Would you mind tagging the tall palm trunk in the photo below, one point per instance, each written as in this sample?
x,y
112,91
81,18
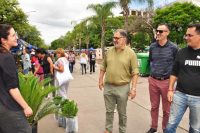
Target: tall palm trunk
x,y
126,14
80,44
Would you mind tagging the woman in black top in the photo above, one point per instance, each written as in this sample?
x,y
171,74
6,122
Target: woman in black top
x,y
13,107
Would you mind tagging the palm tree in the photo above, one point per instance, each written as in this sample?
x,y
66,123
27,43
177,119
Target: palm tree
x,y
124,5
102,11
34,93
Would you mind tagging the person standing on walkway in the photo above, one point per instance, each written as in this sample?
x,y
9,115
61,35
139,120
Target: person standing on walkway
x,y
185,71
92,60
26,61
46,63
83,61
62,65
161,56
39,72
71,59
13,107
120,69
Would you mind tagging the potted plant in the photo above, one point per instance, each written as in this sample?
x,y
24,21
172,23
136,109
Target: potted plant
x,y
34,92
68,110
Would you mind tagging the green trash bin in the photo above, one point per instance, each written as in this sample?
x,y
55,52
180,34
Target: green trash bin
x,y
143,63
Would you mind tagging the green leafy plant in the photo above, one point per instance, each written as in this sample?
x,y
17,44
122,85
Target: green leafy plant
x,y
34,92
69,109
57,100
66,107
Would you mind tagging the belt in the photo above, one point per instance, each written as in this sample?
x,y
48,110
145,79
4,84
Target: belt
x,y
117,84
160,78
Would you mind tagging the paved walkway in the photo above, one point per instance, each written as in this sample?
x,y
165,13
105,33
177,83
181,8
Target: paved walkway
x,y
91,116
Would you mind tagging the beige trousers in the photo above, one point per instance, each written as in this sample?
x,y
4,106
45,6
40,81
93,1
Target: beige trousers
x,y
116,95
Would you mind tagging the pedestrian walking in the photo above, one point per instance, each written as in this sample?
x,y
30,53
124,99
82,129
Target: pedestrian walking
x,y
185,71
39,72
92,60
71,59
13,107
120,69
83,62
62,65
26,61
46,63
161,55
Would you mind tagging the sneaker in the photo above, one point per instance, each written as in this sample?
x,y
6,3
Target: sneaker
x,y
151,130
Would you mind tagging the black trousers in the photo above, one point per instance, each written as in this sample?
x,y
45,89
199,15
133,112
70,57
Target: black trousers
x,y
92,66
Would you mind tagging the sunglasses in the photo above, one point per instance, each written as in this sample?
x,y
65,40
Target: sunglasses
x,y
160,31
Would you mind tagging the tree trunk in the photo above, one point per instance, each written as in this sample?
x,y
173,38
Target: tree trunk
x,y
126,14
80,45
88,42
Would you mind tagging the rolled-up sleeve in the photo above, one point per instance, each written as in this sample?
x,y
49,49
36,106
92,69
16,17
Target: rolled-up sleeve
x,y
134,64
175,67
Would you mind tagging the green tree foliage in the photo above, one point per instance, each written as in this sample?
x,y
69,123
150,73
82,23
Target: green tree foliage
x,y
140,40
91,31
113,23
102,12
178,16
58,43
10,13
31,35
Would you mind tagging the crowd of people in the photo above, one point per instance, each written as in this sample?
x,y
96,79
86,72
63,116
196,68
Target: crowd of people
x,y
13,108
174,78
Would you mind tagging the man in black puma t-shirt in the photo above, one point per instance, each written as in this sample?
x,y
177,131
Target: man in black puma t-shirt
x,y
186,71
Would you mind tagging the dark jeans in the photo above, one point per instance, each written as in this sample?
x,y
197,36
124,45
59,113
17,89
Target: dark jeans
x,y
49,75
13,121
83,66
92,66
71,66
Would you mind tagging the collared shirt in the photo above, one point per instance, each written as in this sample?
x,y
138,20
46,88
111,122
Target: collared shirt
x,y
119,66
161,58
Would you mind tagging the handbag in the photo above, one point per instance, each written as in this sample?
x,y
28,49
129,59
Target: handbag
x,y
65,76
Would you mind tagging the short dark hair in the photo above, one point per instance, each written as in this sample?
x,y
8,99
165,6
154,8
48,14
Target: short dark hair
x,y
41,51
165,24
4,31
197,26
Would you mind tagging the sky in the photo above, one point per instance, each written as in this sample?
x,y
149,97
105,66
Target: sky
x,y
54,18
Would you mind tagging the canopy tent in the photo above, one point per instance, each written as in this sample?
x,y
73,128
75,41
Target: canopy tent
x,y
21,43
91,49
31,47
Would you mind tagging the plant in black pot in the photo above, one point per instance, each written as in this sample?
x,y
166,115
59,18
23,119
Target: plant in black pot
x,y
35,92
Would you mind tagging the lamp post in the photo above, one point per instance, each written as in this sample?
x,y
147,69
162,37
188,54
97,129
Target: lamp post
x,y
88,36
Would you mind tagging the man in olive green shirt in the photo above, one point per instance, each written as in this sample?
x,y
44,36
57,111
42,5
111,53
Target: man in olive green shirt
x,y
120,69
